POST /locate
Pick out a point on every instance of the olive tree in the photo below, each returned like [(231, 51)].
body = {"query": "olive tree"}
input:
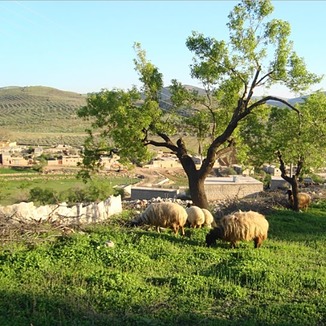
[(258, 53)]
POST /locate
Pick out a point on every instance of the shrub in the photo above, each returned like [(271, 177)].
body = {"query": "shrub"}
[(43, 196)]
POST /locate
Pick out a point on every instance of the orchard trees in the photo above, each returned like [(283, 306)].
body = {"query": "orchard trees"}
[(258, 53)]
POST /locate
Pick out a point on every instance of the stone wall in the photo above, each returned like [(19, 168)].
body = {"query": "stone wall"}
[(78, 214)]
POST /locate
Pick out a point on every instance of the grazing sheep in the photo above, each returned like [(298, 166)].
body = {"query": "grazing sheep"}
[(163, 214), (209, 219), (303, 198), (240, 226), (196, 216)]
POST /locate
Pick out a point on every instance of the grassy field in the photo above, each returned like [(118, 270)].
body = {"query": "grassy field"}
[(151, 278), (17, 184)]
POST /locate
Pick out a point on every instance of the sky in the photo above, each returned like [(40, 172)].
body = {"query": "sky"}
[(86, 46)]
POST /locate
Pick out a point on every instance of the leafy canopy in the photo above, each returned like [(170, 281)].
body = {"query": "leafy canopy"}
[(299, 140)]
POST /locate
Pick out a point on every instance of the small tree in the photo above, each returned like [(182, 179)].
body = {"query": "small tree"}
[(300, 143), (258, 53)]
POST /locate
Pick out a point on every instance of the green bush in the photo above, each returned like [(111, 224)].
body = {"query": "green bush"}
[(43, 196)]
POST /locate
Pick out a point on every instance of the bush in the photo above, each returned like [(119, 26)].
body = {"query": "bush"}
[(43, 196)]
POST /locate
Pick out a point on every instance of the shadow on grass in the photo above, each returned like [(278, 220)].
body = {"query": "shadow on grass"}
[(18, 309)]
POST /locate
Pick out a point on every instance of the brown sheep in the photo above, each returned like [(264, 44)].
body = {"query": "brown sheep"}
[(164, 214), (303, 198), (240, 226)]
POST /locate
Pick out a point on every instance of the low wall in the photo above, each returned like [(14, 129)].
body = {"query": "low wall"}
[(231, 187), (149, 193), (278, 183), (216, 188), (78, 214)]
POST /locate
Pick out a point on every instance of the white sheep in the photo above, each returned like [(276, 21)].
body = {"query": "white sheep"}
[(163, 214), (209, 219), (240, 226), (196, 216)]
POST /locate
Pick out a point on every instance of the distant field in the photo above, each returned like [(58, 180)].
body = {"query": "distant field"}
[(38, 115), (41, 115)]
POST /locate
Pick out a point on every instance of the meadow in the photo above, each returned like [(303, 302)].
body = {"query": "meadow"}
[(16, 185), (151, 278)]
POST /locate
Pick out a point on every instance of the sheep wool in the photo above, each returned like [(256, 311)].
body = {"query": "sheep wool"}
[(303, 198), (209, 219), (240, 226), (196, 216), (164, 214)]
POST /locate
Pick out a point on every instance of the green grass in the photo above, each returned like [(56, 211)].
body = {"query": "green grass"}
[(17, 188), (151, 278)]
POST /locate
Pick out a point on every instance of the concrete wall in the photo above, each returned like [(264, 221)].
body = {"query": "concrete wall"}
[(149, 193), (215, 188), (231, 187), (278, 183)]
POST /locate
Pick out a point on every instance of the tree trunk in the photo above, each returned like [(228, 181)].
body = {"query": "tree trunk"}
[(295, 192), (293, 180), (197, 191)]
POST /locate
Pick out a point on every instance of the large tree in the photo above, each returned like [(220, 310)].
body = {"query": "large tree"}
[(297, 144), (258, 53)]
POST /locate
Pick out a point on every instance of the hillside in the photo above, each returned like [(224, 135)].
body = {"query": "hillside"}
[(40, 115)]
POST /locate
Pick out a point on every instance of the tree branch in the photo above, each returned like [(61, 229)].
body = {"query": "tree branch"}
[(172, 147), (265, 76), (283, 169), (274, 98), (253, 85)]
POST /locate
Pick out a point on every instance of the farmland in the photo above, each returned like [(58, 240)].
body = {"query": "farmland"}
[(41, 116)]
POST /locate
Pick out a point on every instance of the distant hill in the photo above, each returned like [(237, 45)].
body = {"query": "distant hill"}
[(39, 115)]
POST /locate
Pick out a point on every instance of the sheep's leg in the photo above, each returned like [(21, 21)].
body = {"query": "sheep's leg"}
[(182, 230), (258, 241), (233, 244), (175, 229)]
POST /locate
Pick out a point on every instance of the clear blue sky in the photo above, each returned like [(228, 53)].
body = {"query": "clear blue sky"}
[(84, 46)]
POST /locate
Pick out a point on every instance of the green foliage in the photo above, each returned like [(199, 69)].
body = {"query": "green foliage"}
[(43, 196), (151, 278), (297, 137)]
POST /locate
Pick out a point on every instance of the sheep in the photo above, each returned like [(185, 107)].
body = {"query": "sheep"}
[(209, 219), (239, 226), (304, 199), (196, 216), (163, 214)]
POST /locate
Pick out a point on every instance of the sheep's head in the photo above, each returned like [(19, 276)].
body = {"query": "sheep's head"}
[(137, 221), (216, 233)]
